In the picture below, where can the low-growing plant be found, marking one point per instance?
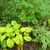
(26, 31)
(13, 34)
(42, 36)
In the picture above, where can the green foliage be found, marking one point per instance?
(42, 36)
(10, 35)
(25, 29)
(33, 12)
(10, 43)
(27, 38)
(24, 11)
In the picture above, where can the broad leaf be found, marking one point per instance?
(16, 40)
(27, 38)
(9, 30)
(10, 43)
(4, 43)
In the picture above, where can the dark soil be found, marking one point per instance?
(31, 46)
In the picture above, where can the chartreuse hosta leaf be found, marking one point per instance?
(16, 26)
(10, 34)
(8, 25)
(9, 30)
(26, 29)
(26, 34)
(13, 22)
(17, 31)
(27, 38)
(2, 29)
(10, 43)
(23, 29)
(3, 37)
(18, 39)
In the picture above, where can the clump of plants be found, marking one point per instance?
(42, 36)
(33, 12)
(24, 11)
(13, 34)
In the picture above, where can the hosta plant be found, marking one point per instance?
(12, 34)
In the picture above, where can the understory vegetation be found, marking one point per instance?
(24, 21)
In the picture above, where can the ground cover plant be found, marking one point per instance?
(11, 34)
(24, 21)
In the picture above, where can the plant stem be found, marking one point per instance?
(20, 47)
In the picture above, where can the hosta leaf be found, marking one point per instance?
(10, 34)
(22, 29)
(8, 25)
(10, 43)
(16, 26)
(3, 37)
(4, 43)
(13, 22)
(17, 31)
(9, 30)
(20, 38)
(26, 34)
(2, 29)
(27, 38)
(28, 29)
(16, 40)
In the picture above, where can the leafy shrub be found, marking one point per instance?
(25, 11)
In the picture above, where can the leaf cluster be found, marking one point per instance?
(12, 34)
(42, 36)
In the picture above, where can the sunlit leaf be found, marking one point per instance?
(27, 38)
(10, 43)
